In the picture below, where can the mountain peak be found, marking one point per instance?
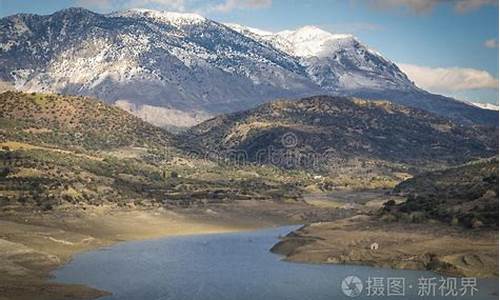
(74, 11)
(311, 41)
(161, 16)
(311, 32)
(247, 29)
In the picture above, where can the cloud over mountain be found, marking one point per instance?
(446, 80)
(491, 43)
(422, 6)
(229, 5)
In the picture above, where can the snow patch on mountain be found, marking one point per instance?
(174, 18)
(307, 41)
(248, 30)
(335, 62)
(310, 41)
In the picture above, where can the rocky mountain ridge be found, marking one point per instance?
(194, 67)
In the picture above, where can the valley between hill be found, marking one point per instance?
(34, 244)
(77, 174)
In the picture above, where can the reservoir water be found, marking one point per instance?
(239, 266)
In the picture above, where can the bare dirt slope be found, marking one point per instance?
(443, 249)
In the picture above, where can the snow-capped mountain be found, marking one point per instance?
(335, 62)
(191, 67)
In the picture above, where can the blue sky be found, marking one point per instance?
(446, 46)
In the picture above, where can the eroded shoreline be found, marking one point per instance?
(442, 249)
(32, 246)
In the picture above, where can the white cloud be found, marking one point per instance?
(178, 5)
(94, 4)
(491, 43)
(449, 80)
(467, 5)
(352, 27)
(421, 6)
(230, 5)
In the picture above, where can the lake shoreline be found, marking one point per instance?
(365, 240)
(224, 267)
(33, 246)
(49, 240)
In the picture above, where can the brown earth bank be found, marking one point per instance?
(35, 242)
(32, 245)
(445, 249)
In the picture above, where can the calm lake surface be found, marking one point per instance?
(236, 266)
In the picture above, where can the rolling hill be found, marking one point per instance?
(60, 151)
(319, 131)
(74, 122)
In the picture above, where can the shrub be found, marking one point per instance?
(417, 217)
(389, 204)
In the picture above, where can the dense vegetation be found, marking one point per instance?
(466, 195)
(45, 178)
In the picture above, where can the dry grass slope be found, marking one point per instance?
(74, 122)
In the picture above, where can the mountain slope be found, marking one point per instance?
(335, 62)
(343, 66)
(74, 122)
(317, 131)
(66, 150)
(193, 67)
(467, 194)
(176, 61)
